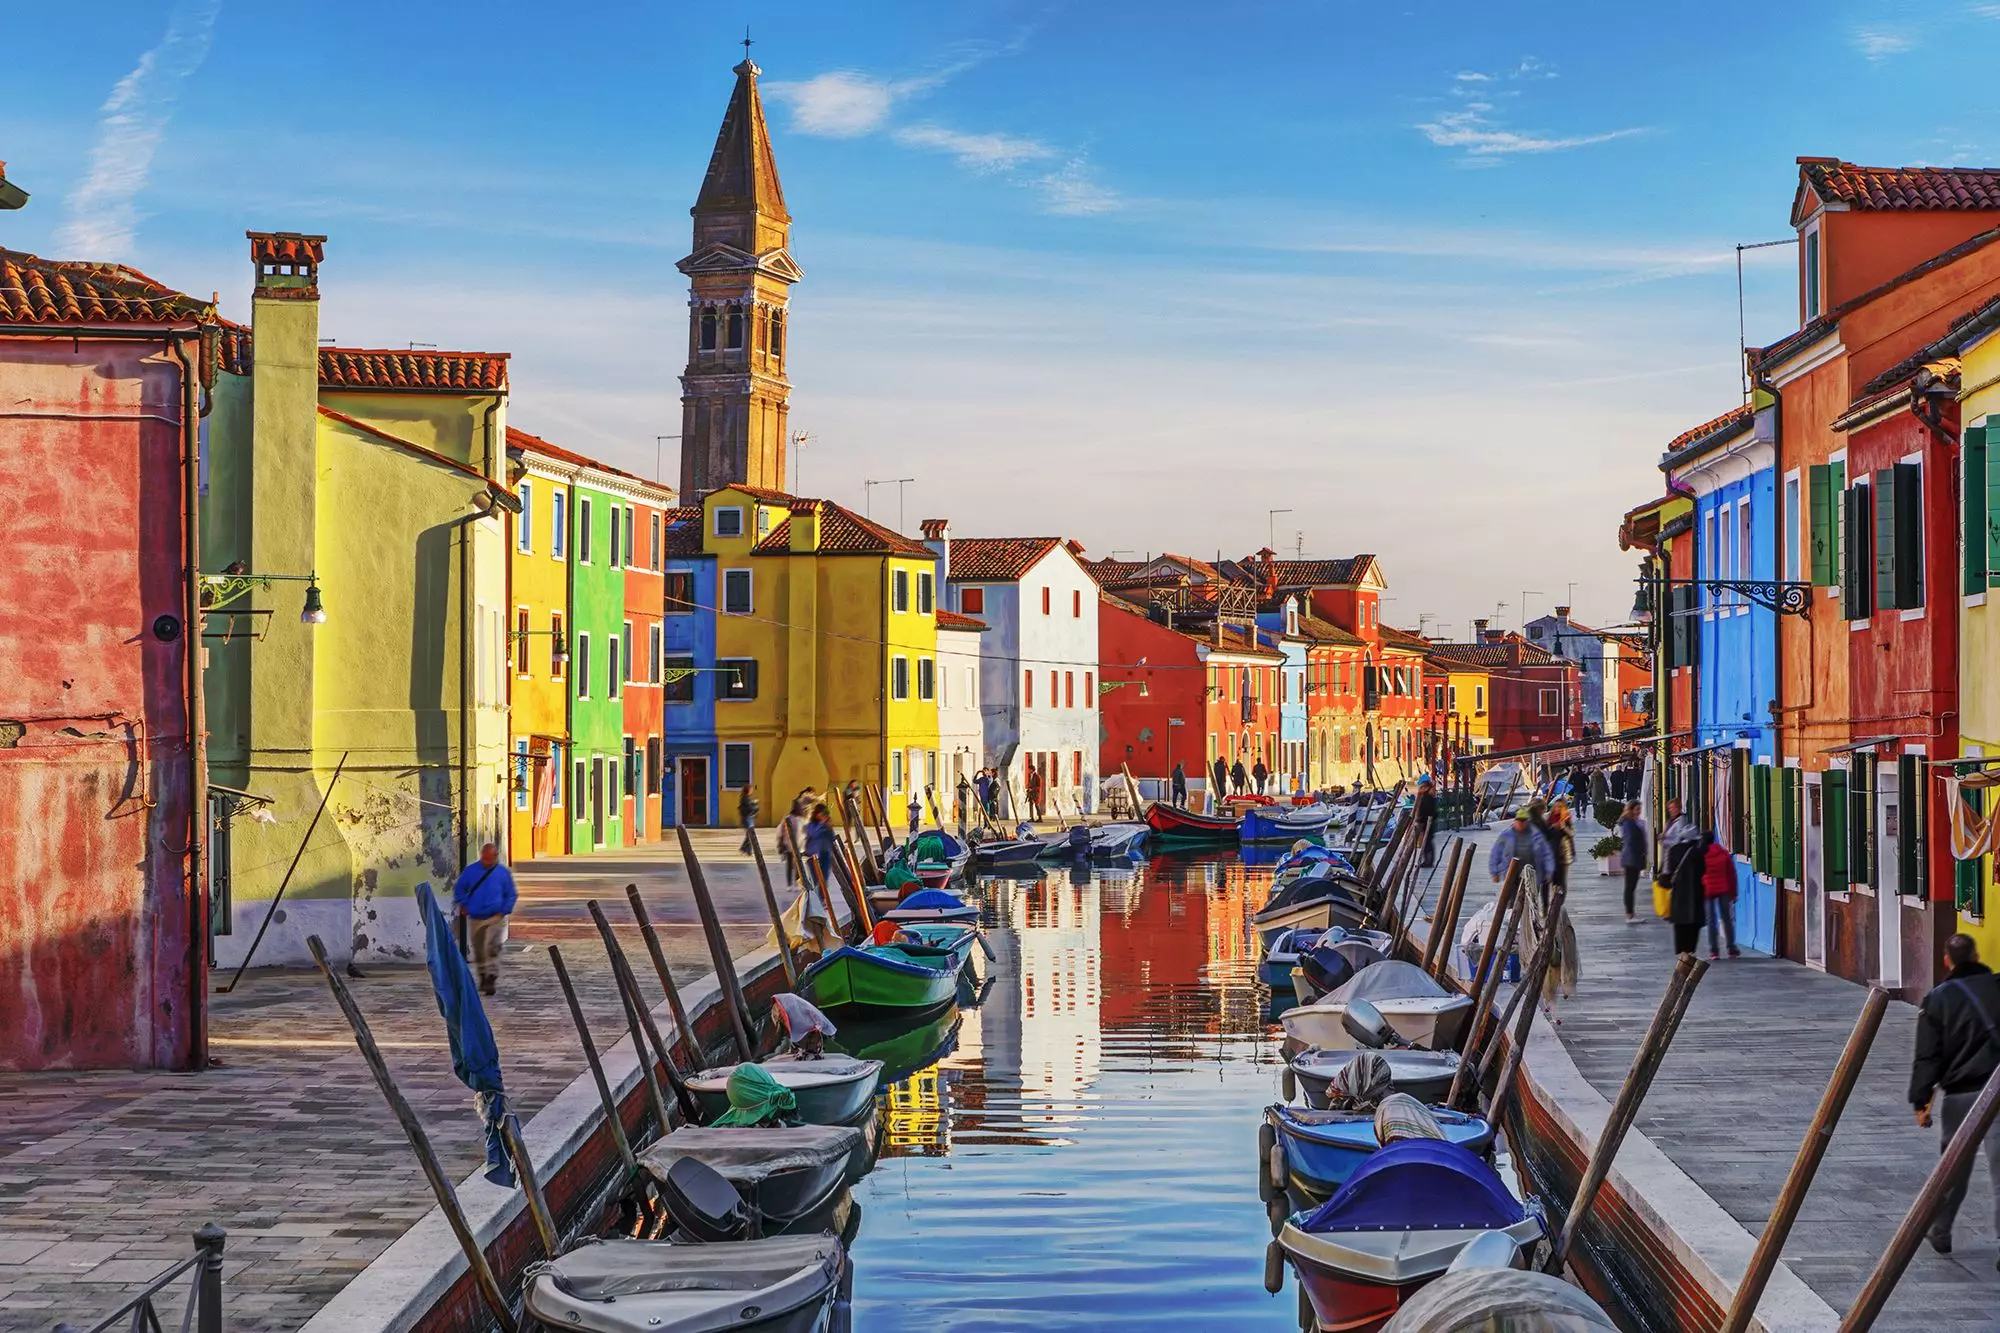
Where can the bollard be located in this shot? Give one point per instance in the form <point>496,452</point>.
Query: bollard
<point>208,1279</point>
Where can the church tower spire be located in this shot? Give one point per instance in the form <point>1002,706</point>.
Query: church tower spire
<point>735,398</point>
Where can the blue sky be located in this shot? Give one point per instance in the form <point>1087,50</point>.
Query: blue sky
<point>1440,279</point>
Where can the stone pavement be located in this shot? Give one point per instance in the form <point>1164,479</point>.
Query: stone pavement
<point>287,1144</point>
<point>1732,1100</point>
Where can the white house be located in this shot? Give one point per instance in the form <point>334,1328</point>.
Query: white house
<point>1038,673</point>
<point>961,729</point>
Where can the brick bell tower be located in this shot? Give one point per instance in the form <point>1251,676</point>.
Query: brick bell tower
<point>735,399</point>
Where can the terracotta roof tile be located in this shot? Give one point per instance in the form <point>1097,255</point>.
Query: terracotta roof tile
<point>383,370</point>
<point>1495,654</point>
<point>1325,631</point>
<point>1315,573</point>
<point>34,290</point>
<point>1900,188</point>
<point>1715,429</point>
<point>1402,638</point>
<point>953,620</point>
<point>841,532</point>
<point>683,534</point>
<point>520,439</point>
<point>997,557</point>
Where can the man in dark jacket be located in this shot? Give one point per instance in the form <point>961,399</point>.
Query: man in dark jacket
<point>1426,815</point>
<point>1221,787</point>
<point>1958,1048</point>
<point>1180,785</point>
<point>1239,778</point>
<point>1260,775</point>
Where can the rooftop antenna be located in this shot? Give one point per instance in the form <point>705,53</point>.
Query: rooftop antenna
<point>1742,345</point>
<point>659,453</point>
<point>800,439</point>
<point>1526,593</point>
<point>1273,520</point>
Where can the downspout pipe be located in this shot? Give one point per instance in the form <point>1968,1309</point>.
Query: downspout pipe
<point>196,955</point>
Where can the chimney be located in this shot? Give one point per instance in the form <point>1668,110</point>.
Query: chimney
<point>937,536</point>
<point>805,526</point>
<point>1562,614</point>
<point>1074,547</point>
<point>1479,631</point>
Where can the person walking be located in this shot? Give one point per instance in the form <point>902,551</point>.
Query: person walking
<point>1239,779</point>
<point>484,894</point>
<point>1220,787</point>
<point>1718,885</point>
<point>1425,813</point>
<point>1631,854</point>
<point>792,842</point>
<point>747,806</point>
<point>1523,840</point>
<point>1958,1047</point>
<point>1687,902</point>
<point>1180,785</point>
<point>1035,792</point>
<point>1560,830</point>
<point>1260,775</point>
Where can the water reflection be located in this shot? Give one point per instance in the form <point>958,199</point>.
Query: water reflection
<point>1080,1154</point>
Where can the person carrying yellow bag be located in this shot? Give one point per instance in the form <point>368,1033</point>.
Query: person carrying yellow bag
<point>1681,836</point>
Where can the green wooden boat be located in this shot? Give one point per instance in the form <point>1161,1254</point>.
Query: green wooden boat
<point>887,978</point>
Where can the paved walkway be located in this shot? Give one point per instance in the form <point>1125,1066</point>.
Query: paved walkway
<point>288,1144</point>
<point>1737,1089</point>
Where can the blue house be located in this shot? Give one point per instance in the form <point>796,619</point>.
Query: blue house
<point>1729,467</point>
<point>1279,629</point>
<point>689,792</point>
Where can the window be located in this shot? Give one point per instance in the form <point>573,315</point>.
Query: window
<point>613,673</point>
<point>899,678</point>
<point>1811,265</point>
<point>562,774</point>
<point>1076,603</point>
<point>521,641</point>
<point>926,678</point>
<point>524,531</point>
<point>1825,511</point>
<point>735,330</point>
<point>1974,482</point>
<point>736,592</point>
<point>556,640</point>
<point>631,536</point>
<point>1090,693</point>
<point>925,582</point>
<point>1550,702</point>
<point>736,678</point>
<point>777,334</point>
<point>1899,552</point>
<point>1791,574</point>
<point>652,763</point>
<point>680,592</point>
<point>523,766</point>
<point>972,601</point>
<point>763,520</point>
<point>582,666</point>
<point>1028,689</point>
<point>653,562</point>
<point>708,330</point>
<point>632,786</point>
<point>617,546</point>
<point>558,523</point>
<point>735,765</point>
<point>678,688</point>
<point>1858,573</point>
<point>583,531</point>
<point>899,584</point>
<point>1069,689</point>
<point>1052,687</point>
<point>653,645</point>
<point>1479,698</point>
<point>626,641</point>
<point>895,770</point>
<point>1710,555</point>
<point>971,699</point>
<point>1045,601</point>
<point>728,521</point>
<point>1745,560</point>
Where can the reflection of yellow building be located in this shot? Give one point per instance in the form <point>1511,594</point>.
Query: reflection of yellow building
<point>916,1123</point>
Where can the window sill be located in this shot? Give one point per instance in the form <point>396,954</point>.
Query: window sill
<point>1866,891</point>
<point>1857,626</point>
<point>1837,897</point>
<point>1914,613</point>
<point>1976,599</point>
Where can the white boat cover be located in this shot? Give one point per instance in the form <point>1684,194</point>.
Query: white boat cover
<point>749,1154</point>
<point>793,1071</point>
<point>1499,1301</point>
<point>610,1269</point>
<point>1390,979</point>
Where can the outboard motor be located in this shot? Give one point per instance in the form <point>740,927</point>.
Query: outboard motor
<point>1079,840</point>
<point>703,1203</point>
<point>1364,1022</point>
<point>1492,1249</point>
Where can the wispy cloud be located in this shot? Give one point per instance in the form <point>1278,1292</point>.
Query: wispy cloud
<point>978,152</point>
<point>1879,44</point>
<point>845,103</point>
<point>1477,126</point>
<point>103,210</point>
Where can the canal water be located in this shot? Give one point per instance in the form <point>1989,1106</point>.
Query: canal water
<point>1077,1149</point>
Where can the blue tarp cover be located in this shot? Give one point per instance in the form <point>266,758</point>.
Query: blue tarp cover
<point>928,900</point>
<point>1419,1185</point>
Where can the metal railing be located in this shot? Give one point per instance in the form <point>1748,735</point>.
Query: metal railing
<point>203,1311</point>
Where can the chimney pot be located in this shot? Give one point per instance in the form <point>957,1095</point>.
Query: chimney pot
<point>1562,613</point>
<point>936,529</point>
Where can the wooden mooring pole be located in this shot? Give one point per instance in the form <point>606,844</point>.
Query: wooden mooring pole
<point>610,1105</point>
<point>1530,987</point>
<point>659,957</point>
<point>718,949</point>
<point>777,916</point>
<point>639,1019</point>
<point>1507,906</point>
<point>420,1143</point>
<point>531,1187</point>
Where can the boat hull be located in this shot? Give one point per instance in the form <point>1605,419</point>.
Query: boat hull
<point>1271,823</point>
<point>1429,1022</point>
<point>1334,909</point>
<point>1425,1075</point>
<point>1319,1157</point>
<point>882,981</point>
<point>1175,825</point>
<point>800,1302</point>
<point>1356,1281</point>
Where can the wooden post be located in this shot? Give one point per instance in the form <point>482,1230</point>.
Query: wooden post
<point>1957,1158</point>
<point>863,917</point>
<point>1132,786</point>
<point>659,956</point>
<point>718,949</point>
<point>1448,942</point>
<point>810,878</point>
<point>639,1022</point>
<point>880,811</point>
<point>524,1166</point>
<point>1812,1149</point>
<point>1688,973</point>
<point>1445,904</point>
<point>777,916</point>
<point>420,1144</point>
<point>611,1115</point>
<point>1532,982</point>
<point>1507,906</point>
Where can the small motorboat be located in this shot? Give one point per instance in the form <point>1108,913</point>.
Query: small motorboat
<point>1096,841</point>
<point>830,1089</point>
<point>884,979</point>
<point>1330,901</point>
<point>1425,1075</point>
<point>1398,1223</point>
<point>1320,969</point>
<point>998,850</point>
<point>1300,858</point>
<point>933,856</point>
<point>1490,1295</point>
<point>786,1176</point>
<point>1278,823</point>
<point>932,905</point>
<point>1287,946</point>
<point>786,1284</point>
<point>1321,1149</point>
<point>1420,1012</point>
<point>1177,825</point>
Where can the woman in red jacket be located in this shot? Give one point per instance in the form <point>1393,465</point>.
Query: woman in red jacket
<point>1718,882</point>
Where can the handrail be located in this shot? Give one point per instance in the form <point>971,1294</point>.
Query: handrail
<point>203,1312</point>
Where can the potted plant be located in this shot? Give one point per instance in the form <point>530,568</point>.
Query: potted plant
<point>1606,850</point>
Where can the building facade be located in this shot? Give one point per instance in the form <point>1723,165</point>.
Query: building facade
<point>961,724</point>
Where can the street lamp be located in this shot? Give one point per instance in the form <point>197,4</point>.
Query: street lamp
<point>558,651</point>
<point>235,581</point>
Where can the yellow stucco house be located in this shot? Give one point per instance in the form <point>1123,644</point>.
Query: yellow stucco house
<point>1976,344</point>
<point>826,648</point>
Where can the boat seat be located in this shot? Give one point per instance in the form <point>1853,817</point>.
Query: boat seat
<point>606,1270</point>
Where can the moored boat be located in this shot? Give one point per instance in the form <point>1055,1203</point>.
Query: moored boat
<point>932,905</point>
<point>788,1176</point>
<point>886,978</point>
<point>1419,1010</point>
<point>1287,947</point>
<point>1322,1149</point>
<point>786,1284</point>
<point>1425,1075</point>
<point>830,1089</point>
<point>1179,825</point>
<point>1331,901</point>
<point>1278,823</point>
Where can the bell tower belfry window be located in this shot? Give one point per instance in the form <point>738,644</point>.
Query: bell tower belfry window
<point>735,398</point>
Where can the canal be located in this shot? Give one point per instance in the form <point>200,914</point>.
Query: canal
<point>1077,1150</point>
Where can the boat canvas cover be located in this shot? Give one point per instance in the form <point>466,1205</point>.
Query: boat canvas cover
<point>1419,1185</point>
<point>605,1270</point>
<point>1312,890</point>
<point>748,1156</point>
<point>792,1072</point>
<point>1479,1300</point>
<point>1359,953</point>
<point>932,900</point>
<point>1329,966</point>
<point>1391,979</point>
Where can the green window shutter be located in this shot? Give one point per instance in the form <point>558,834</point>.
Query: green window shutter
<point>1861,821</point>
<point>1760,819</point>
<point>1693,605</point>
<point>1790,782</point>
<point>1886,511</point>
<point>1909,825</point>
<point>1992,528</point>
<point>1854,527</point>
<point>1836,478</point>
<point>1821,498</point>
<point>1909,527</point>
<point>1833,829</point>
<point>1972,488</point>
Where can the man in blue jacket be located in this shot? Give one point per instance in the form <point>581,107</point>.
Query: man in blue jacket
<point>1525,841</point>
<point>485,894</point>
